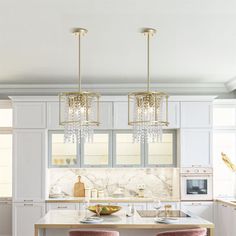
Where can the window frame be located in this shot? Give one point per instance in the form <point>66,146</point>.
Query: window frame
<point>174,151</point>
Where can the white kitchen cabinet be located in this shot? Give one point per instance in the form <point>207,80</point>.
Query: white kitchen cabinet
<point>233,215</point>
<point>224,222</point>
<point>105,116</point>
<point>28,165</point>
<point>121,115</point>
<point>196,148</point>
<point>201,209</point>
<point>173,115</point>
<point>53,116</point>
<point>5,218</point>
<point>62,206</point>
<point>25,215</point>
<point>28,115</point>
<point>196,114</point>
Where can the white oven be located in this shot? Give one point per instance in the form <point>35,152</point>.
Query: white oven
<point>196,184</point>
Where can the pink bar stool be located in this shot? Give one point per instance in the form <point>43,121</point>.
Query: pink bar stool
<point>93,233</point>
<point>187,232</point>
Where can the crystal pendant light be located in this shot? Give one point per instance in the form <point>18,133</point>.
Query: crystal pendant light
<point>79,111</point>
<point>147,110</point>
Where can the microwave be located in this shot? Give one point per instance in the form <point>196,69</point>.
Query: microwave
<point>196,184</point>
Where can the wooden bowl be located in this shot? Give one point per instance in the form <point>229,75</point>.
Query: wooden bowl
<point>105,209</point>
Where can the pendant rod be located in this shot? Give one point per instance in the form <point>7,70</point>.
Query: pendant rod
<point>79,66</point>
<point>148,62</point>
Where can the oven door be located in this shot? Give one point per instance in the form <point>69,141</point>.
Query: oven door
<point>196,187</point>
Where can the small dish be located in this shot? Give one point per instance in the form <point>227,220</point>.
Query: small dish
<point>91,220</point>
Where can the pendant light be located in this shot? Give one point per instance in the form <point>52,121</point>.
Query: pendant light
<point>147,110</point>
<point>79,111</point>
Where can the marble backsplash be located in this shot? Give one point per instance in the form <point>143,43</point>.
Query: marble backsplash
<point>158,182</point>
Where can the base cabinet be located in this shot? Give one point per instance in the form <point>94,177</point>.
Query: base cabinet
<point>201,209</point>
<point>5,218</point>
<point>25,215</point>
<point>225,220</point>
<point>62,206</point>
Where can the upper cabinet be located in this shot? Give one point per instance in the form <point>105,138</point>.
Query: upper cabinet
<point>121,115</point>
<point>196,114</point>
<point>196,147</point>
<point>105,116</point>
<point>28,115</point>
<point>173,115</point>
<point>28,165</point>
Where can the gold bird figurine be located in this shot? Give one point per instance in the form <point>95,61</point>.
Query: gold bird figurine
<point>228,162</point>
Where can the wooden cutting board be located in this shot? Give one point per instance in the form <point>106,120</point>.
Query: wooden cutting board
<point>79,190</point>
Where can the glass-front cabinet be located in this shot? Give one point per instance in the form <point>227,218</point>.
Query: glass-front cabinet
<point>97,153</point>
<point>112,148</point>
<point>126,153</point>
<point>61,154</point>
<point>162,153</point>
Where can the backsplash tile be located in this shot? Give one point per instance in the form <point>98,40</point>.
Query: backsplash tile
<point>158,182</point>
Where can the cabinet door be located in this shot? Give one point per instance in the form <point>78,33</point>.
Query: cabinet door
<point>28,165</point>
<point>196,114</point>
<point>61,206</point>
<point>201,209</point>
<point>53,116</point>
<point>233,214</point>
<point>5,218</point>
<point>126,153</point>
<point>173,115</point>
<point>105,115</point>
<point>29,115</point>
<point>25,215</point>
<point>196,148</point>
<point>121,115</point>
<point>224,220</point>
<point>98,153</point>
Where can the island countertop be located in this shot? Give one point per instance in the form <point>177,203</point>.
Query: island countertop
<point>70,219</point>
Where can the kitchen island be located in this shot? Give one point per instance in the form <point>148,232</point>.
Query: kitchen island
<point>59,222</point>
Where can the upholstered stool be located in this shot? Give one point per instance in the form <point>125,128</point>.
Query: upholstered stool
<point>187,232</point>
<point>93,233</point>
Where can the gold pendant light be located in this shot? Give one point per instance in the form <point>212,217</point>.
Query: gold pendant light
<point>147,110</point>
<point>79,111</point>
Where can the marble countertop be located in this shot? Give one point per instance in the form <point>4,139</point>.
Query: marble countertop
<point>107,199</point>
<point>227,201</point>
<point>72,218</point>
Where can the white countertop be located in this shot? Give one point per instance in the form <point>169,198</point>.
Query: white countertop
<point>72,218</point>
<point>107,199</point>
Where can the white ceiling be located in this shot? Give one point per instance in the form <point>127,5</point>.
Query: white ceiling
<point>195,43</point>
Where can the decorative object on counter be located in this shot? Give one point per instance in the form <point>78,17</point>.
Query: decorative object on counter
<point>148,110</point>
<point>156,205</point>
<point>168,209</point>
<point>87,192</point>
<point>79,190</point>
<point>104,209</point>
<point>101,194</point>
<point>141,189</point>
<point>118,193</point>
<point>130,210</point>
<point>79,111</point>
<point>228,162</point>
<point>94,193</point>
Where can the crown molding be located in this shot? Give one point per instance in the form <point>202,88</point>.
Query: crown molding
<point>114,88</point>
<point>231,84</point>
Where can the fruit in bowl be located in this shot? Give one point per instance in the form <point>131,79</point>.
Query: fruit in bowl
<point>104,209</point>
